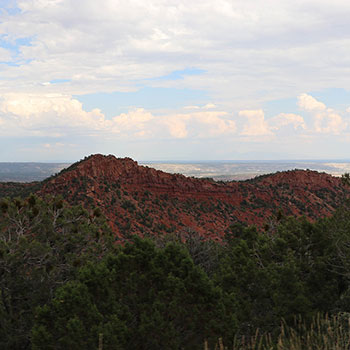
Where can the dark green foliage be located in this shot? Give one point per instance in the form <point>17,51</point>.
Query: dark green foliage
<point>346,179</point>
<point>63,283</point>
<point>41,245</point>
<point>293,268</point>
<point>204,252</point>
<point>128,205</point>
<point>142,297</point>
<point>17,189</point>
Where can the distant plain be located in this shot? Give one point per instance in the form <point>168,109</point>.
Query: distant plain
<point>218,170</point>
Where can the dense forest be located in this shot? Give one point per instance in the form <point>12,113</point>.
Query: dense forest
<point>66,282</point>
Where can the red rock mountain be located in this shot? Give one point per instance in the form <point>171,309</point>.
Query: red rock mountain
<point>142,200</point>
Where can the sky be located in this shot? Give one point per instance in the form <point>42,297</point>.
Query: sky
<point>174,80</point>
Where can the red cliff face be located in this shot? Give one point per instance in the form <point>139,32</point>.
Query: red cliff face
<point>142,200</point>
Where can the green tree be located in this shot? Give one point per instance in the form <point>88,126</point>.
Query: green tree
<point>143,297</point>
<point>42,242</point>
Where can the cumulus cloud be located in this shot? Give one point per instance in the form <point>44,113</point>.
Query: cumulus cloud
<point>43,114</point>
<point>309,103</point>
<point>57,115</point>
<point>200,124</point>
<point>215,124</point>
<point>177,126</point>
<point>255,123</point>
<point>325,120</point>
<point>329,123</point>
<point>283,119</point>
<point>134,121</point>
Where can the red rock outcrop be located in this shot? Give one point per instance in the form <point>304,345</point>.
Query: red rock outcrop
<point>141,200</point>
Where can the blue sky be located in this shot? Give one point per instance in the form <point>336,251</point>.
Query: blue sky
<point>174,80</point>
<point>151,98</point>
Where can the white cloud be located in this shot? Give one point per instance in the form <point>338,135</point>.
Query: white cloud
<point>284,119</point>
<point>200,124</point>
<point>329,123</point>
<point>255,123</point>
<point>309,103</point>
<point>326,120</point>
<point>47,113</point>
<point>191,107</point>
<point>5,55</point>
<point>58,115</point>
<point>53,146</point>
<point>177,126</point>
<point>134,121</point>
<point>248,51</point>
<point>209,106</point>
<point>215,123</point>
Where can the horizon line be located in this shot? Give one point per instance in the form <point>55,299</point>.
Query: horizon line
<point>194,161</point>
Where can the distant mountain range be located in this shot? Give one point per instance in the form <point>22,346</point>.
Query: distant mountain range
<point>141,200</point>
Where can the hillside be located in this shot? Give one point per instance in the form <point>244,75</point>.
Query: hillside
<point>60,262</point>
<point>141,200</point>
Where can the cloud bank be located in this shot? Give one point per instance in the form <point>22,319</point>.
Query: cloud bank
<point>57,115</point>
<point>247,53</point>
<point>231,58</point>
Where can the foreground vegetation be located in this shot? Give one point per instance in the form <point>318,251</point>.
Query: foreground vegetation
<point>66,283</point>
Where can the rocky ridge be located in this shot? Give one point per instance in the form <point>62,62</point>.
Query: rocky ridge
<point>141,200</point>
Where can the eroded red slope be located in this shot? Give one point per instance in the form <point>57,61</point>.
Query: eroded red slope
<point>142,200</point>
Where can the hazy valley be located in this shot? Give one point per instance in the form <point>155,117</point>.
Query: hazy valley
<point>218,170</point>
